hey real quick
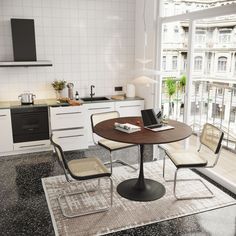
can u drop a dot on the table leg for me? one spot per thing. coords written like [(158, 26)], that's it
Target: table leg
[(141, 189)]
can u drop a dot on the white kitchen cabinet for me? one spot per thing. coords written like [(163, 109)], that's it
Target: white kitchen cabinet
[(93, 108), (71, 139), (129, 108), (31, 145), (69, 127), (67, 117), (6, 140)]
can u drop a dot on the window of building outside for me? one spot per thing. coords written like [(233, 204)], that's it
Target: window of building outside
[(174, 62), (222, 64), (200, 36), (164, 63), (232, 114), (209, 56), (177, 9), (198, 63), (225, 35), (165, 31)]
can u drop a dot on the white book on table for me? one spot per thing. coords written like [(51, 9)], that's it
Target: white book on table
[(127, 128)]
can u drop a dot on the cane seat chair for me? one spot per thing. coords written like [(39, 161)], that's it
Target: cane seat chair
[(83, 169), (109, 145), (211, 137)]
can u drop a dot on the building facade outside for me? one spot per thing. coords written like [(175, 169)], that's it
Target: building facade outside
[(214, 68)]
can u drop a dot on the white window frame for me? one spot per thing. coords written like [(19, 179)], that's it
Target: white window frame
[(224, 36), (222, 64), (191, 17), (174, 63), (198, 62)]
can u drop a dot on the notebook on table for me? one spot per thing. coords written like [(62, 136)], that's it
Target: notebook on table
[(152, 121)]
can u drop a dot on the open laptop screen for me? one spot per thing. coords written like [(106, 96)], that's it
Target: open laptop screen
[(149, 117)]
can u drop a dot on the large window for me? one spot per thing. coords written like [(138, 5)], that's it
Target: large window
[(198, 63), (204, 55), (222, 64)]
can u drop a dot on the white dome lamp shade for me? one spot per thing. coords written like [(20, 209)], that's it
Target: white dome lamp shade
[(142, 75), (143, 80)]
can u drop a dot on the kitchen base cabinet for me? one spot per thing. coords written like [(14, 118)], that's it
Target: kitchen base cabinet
[(71, 139), (94, 108), (125, 108), (129, 108), (68, 127), (41, 144), (6, 140)]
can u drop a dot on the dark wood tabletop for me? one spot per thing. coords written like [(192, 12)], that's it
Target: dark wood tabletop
[(106, 130)]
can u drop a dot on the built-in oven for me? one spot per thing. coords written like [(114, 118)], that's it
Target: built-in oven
[(30, 123)]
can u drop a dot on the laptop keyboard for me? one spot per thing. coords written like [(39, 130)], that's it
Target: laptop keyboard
[(155, 126)]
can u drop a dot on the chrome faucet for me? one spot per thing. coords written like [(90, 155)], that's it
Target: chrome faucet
[(91, 91)]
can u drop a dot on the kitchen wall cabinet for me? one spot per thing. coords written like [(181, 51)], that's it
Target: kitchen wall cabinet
[(6, 140), (68, 127)]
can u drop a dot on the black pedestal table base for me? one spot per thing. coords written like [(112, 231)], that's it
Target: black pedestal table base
[(141, 189), (153, 190)]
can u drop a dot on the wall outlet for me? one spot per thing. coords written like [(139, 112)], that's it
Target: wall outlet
[(119, 88)]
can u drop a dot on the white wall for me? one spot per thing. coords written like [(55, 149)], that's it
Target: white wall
[(88, 41)]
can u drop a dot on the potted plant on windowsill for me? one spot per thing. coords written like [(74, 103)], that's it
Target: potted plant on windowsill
[(58, 86)]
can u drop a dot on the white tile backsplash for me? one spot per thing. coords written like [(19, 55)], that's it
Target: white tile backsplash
[(88, 41)]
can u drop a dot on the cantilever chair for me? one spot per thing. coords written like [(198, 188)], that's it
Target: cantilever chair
[(88, 168), (111, 146), (211, 137)]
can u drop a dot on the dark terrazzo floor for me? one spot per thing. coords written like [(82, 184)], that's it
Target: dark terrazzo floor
[(24, 211)]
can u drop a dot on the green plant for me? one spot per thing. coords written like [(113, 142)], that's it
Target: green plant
[(171, 89), (59, 85), (171, 86), (182, 83)]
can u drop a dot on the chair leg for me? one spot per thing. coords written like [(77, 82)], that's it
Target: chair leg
[(103, 209), (175, 180), (118, 162), (164, 166), (211, 195)]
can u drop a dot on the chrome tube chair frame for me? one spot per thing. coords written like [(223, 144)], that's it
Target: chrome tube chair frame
[(213, 145), (73, 178), (107, 144)]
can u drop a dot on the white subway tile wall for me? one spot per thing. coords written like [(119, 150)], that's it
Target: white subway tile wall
[(90, 42)]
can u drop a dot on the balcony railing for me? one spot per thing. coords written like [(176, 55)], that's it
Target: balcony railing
[(212, 103)]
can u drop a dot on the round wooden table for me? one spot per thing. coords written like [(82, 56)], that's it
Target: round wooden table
[(141, 189)]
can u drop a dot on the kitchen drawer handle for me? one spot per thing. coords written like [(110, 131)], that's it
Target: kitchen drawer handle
[(2, 115), (74, 128), (68, 113), (99, 108), (71, 136), (35, 145), (131, 106)]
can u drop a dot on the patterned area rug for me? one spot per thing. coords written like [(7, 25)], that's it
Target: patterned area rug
[(125, 213)]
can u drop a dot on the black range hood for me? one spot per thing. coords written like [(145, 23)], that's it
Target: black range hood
[(24, 47)]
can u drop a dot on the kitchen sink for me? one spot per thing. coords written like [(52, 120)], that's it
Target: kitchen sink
[(88, 99)]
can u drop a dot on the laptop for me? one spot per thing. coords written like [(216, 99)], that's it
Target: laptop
[(152, 121)]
